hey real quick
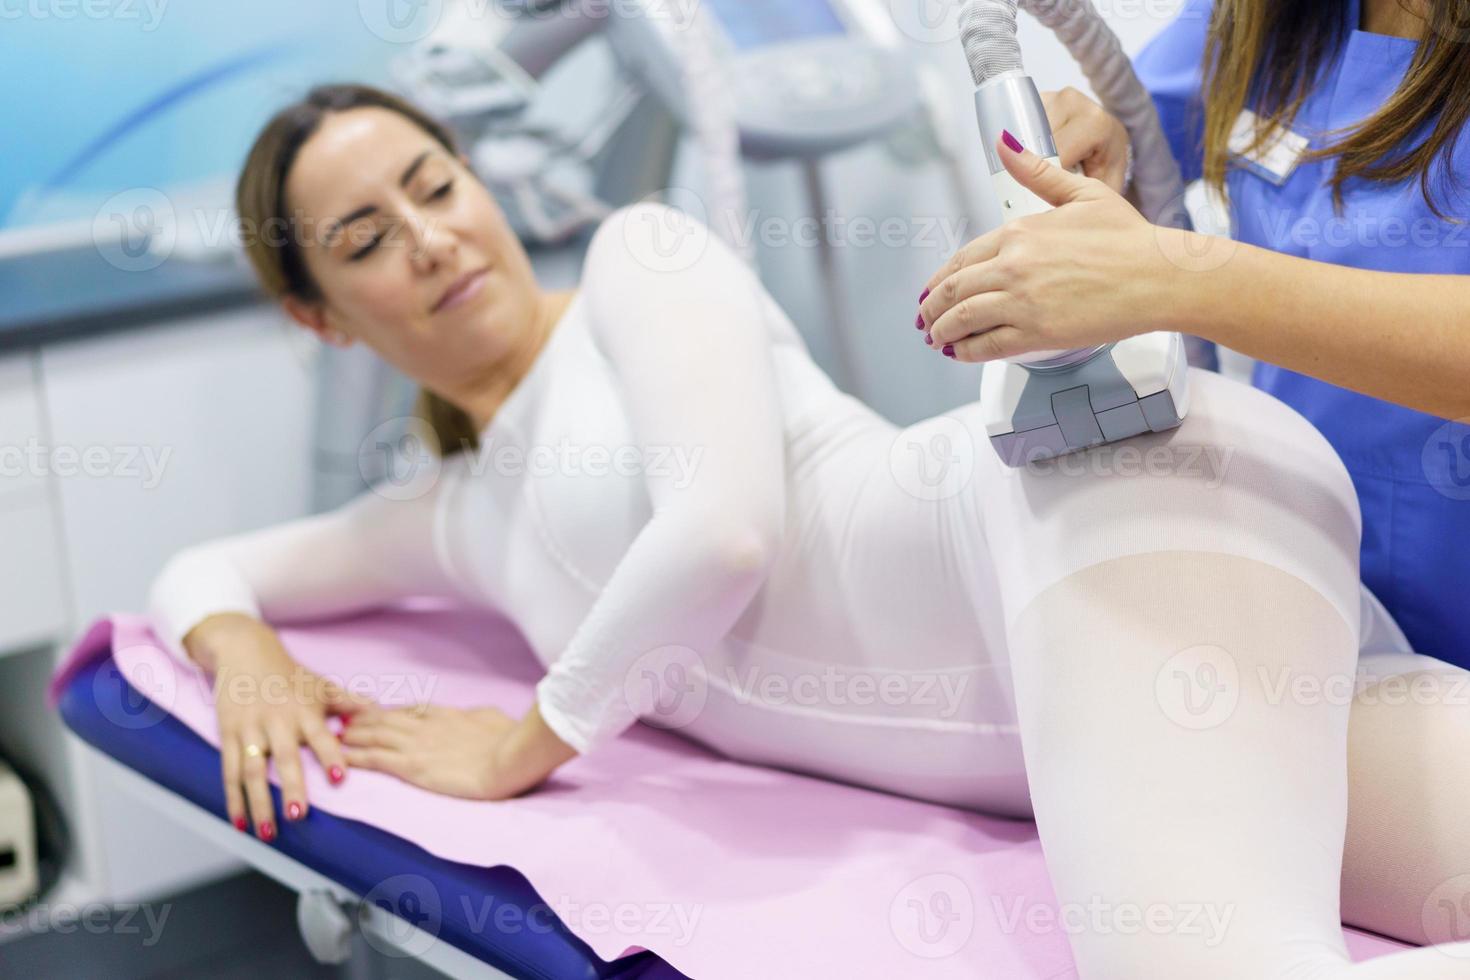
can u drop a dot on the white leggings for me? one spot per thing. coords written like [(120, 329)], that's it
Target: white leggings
[(1183, 681)]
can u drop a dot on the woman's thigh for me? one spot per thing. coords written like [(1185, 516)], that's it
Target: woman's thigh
[(1243, 475), (1406, 867)]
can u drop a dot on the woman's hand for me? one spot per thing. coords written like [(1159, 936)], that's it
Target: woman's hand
[(268, 705), (1089, 272), (475, 753), (1086, 133)]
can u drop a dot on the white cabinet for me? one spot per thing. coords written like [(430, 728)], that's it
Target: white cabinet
[(31, 607), (172, 435)]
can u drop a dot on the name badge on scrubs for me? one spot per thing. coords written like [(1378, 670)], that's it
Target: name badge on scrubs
[(1275, 159)]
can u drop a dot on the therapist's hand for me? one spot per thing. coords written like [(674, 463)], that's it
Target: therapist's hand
[(263, 698), (474, 753), (1089, 272), (1085, 133)]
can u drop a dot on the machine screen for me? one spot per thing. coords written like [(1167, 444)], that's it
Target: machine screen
[(753, 23)]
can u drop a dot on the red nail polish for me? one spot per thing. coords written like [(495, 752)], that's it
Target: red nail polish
[(1011, 141), (949, 350), (346, 720), (240, 824), (267, 831), (293, 811), (923, 296), (929, 339), (919, 322), (335, 774)]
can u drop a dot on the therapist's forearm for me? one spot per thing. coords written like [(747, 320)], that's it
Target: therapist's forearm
[(1400, 337)]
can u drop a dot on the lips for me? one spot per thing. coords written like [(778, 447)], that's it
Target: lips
[(460, 290)]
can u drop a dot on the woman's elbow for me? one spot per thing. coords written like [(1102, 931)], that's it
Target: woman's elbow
[(743, 547)]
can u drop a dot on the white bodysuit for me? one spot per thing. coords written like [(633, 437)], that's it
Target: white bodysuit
[(687, 520)]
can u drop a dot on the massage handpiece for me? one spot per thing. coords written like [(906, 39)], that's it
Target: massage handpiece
[(1048, 403)]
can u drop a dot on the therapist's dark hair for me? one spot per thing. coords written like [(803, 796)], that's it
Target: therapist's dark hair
[(1268, 54), (260, 200)]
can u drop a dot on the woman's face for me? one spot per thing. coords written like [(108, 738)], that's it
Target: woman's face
[(411, 254)]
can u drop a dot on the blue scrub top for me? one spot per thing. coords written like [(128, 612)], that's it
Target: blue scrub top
[(1411, 470)]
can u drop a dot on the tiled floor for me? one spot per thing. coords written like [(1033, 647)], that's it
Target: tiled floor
[(241, 928)]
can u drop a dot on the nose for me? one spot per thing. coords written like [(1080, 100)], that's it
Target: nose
[(432, 243)]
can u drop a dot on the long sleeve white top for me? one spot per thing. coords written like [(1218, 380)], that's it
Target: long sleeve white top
[(633, 484)]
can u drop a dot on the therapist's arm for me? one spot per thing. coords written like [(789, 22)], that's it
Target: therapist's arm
[(1093, 271), (1400, 337)]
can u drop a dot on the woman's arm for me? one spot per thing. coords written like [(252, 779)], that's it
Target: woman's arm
[(680, 319), (1400, 337), (373, 549)]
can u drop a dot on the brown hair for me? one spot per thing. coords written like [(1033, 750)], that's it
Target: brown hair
[(1272, 51), (260, 200)]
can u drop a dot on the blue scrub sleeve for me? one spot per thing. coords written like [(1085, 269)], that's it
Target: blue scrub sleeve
[(1171, 67)]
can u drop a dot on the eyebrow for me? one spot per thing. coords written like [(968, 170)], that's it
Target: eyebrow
[(368, 209)]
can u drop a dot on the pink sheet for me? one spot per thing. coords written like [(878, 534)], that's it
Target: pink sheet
[(723, 869)]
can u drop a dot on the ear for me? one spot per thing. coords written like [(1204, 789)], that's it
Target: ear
[(313, 317)]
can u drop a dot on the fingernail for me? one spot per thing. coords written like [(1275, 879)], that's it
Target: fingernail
[(240, 824), (923, 296), (335, 774), (929, 339), (1011, 141), (949, 350), (268, 831), (293, 811), (919, 322)]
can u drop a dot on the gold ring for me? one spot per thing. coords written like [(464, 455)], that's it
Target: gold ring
[(253, 751)]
